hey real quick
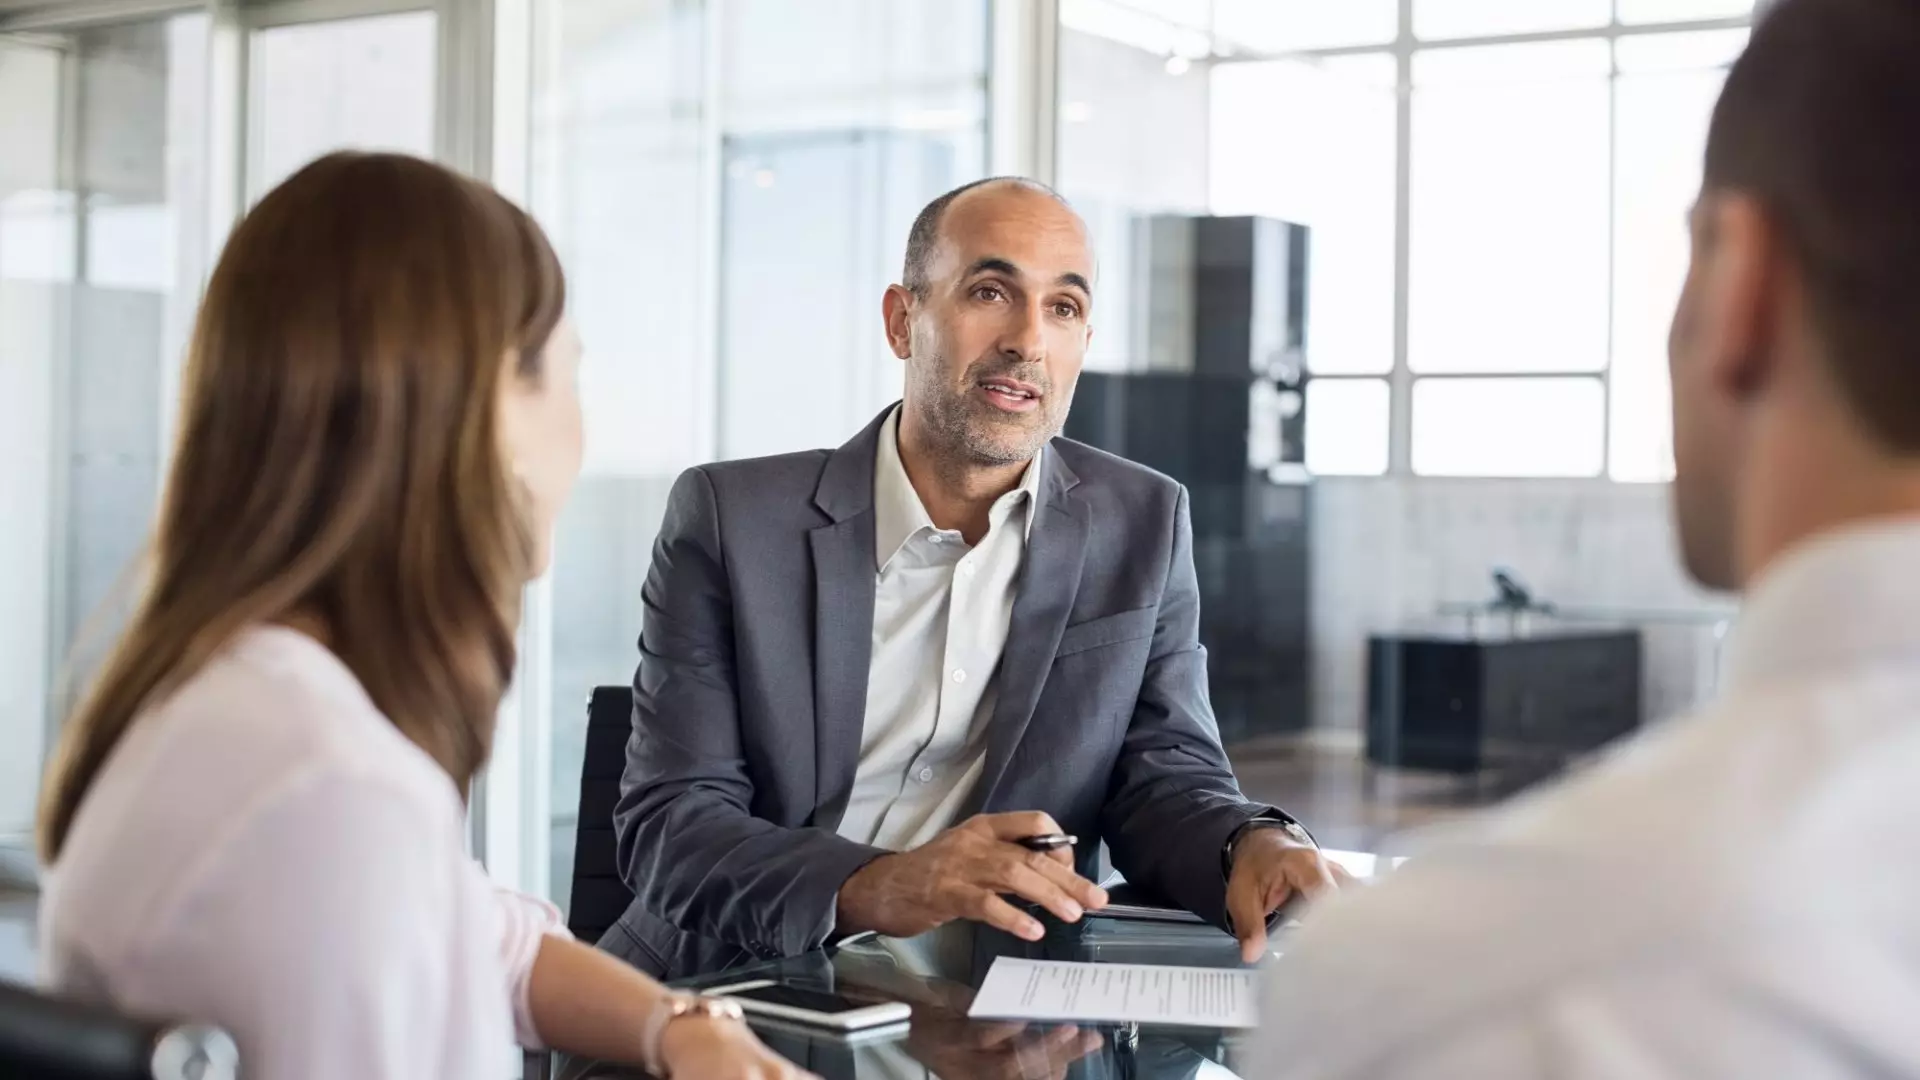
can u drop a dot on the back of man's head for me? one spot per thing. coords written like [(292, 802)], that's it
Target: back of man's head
[(1820, 122), (1796, 345)]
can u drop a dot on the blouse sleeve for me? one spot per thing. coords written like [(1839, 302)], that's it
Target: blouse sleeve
[(524, 923)]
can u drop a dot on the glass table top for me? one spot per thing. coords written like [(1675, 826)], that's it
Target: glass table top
[(936, 974)]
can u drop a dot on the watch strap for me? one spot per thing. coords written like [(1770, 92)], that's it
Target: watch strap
[(666, 1009), (1272, 819)]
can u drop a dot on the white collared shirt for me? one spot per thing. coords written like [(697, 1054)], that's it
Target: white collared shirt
[(940, 617), (1733, 895)]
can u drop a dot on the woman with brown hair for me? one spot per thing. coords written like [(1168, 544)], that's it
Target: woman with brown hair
[(256, 817)]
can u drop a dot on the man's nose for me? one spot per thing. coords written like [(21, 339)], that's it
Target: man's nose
[(1025, 335)]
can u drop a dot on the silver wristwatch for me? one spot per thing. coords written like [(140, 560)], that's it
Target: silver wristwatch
[(1294, 830)]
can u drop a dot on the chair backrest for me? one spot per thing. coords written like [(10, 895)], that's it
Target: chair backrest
[(53, 1039), (600, 897)]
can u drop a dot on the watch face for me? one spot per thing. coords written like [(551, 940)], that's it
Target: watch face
[(1290, 830)]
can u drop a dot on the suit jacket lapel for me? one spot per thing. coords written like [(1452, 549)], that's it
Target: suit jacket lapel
[(843, 590), (1049, 579)]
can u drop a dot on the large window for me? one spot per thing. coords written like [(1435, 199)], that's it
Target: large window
[(1549, 185), (1497, 191)]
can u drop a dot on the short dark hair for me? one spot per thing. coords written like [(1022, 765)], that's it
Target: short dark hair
[(924, 237), (1820, 121)]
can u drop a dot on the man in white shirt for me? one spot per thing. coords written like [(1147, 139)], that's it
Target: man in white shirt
[(1735, 894), (867, 674)]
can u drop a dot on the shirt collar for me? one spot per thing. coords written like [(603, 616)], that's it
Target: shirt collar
[(1840, 600), (898, 513)]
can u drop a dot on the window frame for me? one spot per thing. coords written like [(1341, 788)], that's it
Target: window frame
[(1403, 49)]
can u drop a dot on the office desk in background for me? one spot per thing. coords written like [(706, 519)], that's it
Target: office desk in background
[(1459, 701)]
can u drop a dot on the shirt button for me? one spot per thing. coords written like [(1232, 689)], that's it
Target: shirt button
[(925, 776), (959, 675), (939, 539)]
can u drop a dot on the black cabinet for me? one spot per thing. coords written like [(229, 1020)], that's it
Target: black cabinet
[(1461, 704), (1215, 401)]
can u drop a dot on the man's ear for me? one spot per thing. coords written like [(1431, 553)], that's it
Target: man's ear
[(896, 307), (1740, 293)]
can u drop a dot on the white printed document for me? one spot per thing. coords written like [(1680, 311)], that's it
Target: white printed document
[(1063, 992)]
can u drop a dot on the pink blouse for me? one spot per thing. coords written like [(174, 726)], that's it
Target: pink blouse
[(266, 852)]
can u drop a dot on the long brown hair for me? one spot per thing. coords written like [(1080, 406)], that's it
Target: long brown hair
[(339, 461)]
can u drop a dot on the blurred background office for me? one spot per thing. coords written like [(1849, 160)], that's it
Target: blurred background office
[(1385, 281)]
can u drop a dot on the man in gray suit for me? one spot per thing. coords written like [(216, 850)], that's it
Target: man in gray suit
[(867, 674)]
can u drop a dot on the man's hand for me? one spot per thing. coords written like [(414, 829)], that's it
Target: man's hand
[(1269, 867), (963, 874), (954, 1047)]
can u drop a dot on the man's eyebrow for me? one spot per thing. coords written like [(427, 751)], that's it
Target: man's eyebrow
[(993, 264)]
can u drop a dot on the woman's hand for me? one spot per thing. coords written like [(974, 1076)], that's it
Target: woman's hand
[(698, 1047), (587, 1003)]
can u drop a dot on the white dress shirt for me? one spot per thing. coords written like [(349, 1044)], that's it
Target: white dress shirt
[(1734, 895), (264, 851), (940, 617)]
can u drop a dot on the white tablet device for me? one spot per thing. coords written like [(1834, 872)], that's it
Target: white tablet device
[(818, 1008)]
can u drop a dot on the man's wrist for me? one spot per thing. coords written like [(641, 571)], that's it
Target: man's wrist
[(851, 906), (1274, 820)]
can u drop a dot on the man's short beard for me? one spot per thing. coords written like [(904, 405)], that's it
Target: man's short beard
[(961, 436)]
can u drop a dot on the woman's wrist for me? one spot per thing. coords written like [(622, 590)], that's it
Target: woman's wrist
[(676, 1013)]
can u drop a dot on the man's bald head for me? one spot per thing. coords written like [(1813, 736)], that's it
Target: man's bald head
[(923, 240), (992, 317)]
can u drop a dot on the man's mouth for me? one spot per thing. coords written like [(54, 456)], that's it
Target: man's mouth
[(1010, 394)]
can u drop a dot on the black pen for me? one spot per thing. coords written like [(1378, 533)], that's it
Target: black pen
[(1048, 842)]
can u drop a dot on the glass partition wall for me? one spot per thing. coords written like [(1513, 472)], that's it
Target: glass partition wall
[(102, 230), (729, 183), (134, 134)]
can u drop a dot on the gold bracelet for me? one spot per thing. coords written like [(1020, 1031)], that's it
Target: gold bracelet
[(672, 1006)]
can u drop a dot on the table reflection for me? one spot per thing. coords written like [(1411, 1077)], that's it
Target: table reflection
[(937, 975)]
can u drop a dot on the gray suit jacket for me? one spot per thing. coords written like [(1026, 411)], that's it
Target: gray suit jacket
[(751, 694)]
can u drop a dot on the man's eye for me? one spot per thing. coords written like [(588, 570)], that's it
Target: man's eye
[(1066, 310), (990, 292)]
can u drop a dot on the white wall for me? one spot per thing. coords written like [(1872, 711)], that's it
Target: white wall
[(31, 259), (112, 370), (318, 87), (26, 444), (1388, 552)]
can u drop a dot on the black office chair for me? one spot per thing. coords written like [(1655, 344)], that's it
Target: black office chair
[(52, 1039), (599, 896)]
